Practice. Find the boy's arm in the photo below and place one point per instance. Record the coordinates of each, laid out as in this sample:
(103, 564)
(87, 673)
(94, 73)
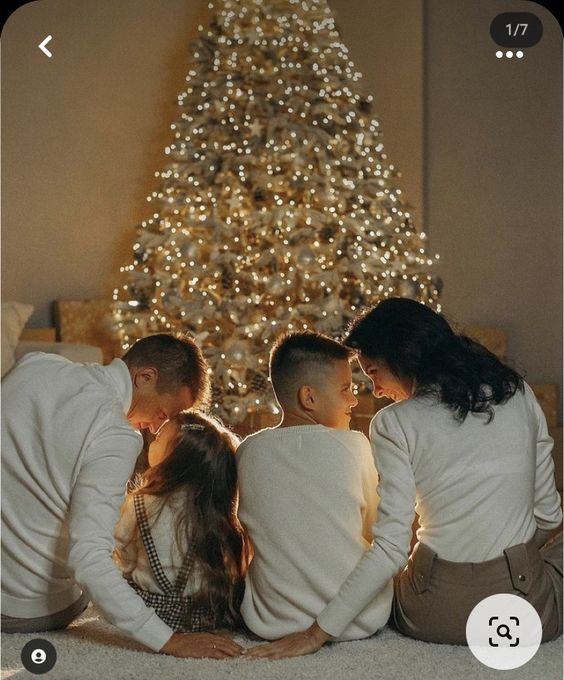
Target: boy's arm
(369, 481)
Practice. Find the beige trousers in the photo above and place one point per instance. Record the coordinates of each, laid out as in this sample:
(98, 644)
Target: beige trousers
(433, 598)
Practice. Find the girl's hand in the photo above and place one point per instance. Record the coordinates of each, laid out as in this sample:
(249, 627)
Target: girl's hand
(296, 644)
(200, 645)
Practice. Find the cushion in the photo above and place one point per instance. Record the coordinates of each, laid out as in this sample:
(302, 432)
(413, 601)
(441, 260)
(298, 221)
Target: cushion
(85, 354)
(13, 319)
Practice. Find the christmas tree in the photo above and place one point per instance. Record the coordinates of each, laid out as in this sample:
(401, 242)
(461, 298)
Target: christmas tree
(277, 209)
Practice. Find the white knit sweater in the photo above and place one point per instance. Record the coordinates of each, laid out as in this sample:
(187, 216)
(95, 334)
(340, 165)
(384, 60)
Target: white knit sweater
(478, 488)
(67, 452)
(308, 500)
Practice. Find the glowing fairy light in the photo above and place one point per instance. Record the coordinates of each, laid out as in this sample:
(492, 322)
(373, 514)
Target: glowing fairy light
(276, 207)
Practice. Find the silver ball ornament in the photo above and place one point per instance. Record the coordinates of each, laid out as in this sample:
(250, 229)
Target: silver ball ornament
(408, 288)
(190, 250)
(236, 353)
(276, 284)
(306, 257)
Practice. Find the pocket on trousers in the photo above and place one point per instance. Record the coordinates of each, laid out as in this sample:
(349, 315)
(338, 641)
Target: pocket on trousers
(411, 608)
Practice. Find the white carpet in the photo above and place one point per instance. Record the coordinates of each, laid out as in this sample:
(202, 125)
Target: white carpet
(91, 648)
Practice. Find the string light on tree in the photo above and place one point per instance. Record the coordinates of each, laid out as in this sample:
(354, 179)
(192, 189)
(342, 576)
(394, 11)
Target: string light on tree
(277, 208)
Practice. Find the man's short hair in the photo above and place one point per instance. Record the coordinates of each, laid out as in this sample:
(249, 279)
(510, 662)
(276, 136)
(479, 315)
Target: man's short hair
(293, 354)
(179, 362)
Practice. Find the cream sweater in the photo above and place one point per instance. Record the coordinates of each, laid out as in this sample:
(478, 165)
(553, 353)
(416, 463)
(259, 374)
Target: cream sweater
(308, 500)
(67, 452)
(478, 489)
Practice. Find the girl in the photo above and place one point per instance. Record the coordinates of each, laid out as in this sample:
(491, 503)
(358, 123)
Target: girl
(178, 541)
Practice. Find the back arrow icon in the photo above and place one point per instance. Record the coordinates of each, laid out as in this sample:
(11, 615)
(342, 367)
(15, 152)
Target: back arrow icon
(43, 48)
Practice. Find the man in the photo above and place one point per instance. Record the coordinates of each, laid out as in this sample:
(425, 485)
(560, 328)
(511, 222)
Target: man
(70, 438)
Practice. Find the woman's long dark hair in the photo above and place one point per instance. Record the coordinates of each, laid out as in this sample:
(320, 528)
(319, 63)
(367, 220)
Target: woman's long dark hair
(202, 466)
(418, 344)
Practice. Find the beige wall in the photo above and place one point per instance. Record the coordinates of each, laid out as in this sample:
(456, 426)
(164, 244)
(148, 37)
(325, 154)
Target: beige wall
(478, 142)
(385, 40)
(493, 177)
(83, 133)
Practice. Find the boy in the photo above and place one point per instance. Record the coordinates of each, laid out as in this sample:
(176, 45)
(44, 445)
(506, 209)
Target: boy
(307, 494)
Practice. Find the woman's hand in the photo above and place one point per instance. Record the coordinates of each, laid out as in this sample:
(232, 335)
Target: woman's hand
(296, 644)
(200, 645)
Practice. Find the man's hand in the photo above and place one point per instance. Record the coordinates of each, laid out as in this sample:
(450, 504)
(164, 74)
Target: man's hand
(296, 644)
(199, 645)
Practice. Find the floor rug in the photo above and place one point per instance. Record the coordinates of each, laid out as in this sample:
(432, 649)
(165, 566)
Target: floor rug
(93, 649)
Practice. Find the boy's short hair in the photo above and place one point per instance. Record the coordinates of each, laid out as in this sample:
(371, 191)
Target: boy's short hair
(179, 362)
(294, 353)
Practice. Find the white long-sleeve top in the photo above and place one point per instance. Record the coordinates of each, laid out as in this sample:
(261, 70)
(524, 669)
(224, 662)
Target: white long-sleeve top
(478, 488)
(67, 453)
(130, 553)
(308, 500)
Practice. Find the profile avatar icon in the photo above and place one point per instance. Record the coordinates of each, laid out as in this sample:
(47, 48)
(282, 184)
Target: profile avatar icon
(38, 656)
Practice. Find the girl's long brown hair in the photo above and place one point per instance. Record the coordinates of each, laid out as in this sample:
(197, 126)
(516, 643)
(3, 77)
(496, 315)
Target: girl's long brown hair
(202, 466)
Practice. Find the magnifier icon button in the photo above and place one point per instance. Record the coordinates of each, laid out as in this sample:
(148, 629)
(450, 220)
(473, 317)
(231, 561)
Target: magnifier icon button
(505, 632)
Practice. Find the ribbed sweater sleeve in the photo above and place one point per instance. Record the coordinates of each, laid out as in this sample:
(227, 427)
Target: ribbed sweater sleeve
(94, 510)
(392, 530)
(126, 547)
(548, 513)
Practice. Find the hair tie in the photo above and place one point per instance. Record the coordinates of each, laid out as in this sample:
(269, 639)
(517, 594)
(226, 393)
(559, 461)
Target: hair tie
(192, 426)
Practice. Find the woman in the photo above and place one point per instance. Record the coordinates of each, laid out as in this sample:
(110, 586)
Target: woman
(466, 445)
